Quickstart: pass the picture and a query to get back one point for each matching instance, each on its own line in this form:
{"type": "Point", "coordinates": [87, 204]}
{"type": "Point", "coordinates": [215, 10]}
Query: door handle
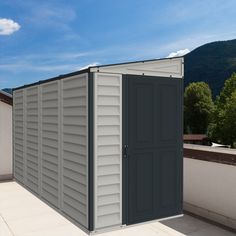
{"type": "Point", "coordinates": [125, 151]}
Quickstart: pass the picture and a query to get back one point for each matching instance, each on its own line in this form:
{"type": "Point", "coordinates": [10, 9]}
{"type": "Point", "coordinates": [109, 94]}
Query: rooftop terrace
{"type": "Point", "coordinates": [23, 214]}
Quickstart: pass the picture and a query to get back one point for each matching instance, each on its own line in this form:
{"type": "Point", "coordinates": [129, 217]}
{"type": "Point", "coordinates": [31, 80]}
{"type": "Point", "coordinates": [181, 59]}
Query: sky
{"type": "Point", "coordinates": [43, 39]}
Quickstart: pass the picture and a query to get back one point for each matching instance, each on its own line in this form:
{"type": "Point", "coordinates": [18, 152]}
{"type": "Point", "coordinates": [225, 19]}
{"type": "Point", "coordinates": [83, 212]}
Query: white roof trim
{"type": "Point", "coordinates": [169, 67]}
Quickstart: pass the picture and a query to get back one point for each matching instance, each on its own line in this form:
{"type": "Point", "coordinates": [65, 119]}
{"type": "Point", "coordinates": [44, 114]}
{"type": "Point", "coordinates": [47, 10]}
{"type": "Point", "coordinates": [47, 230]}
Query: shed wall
{"type": "Point", "coordinates": [107, 150]}
{"type": "Point", "coordinates": [51, 143]}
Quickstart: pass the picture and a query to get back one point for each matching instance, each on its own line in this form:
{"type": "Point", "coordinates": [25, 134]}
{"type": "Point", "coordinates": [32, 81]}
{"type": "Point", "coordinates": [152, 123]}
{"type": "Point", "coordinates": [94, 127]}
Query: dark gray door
{"type": "Point", "coordinates": [152, 127]}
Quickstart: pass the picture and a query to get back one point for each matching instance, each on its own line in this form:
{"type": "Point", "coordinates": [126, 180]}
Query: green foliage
{"type": "Point", "coordinates": [223, 126]}
{"type": "Point", "coordinates": [228, 89]}
{"type": "Point", "coordinates": [198, 107]}
{"type": "Point", "coordinates": [229, 121]}
{"type": "Point", "coordinates": [212, 63]}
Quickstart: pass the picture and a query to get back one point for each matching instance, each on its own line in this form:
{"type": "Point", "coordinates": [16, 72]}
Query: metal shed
{"type": "Point", "coordinates": [103, 145]}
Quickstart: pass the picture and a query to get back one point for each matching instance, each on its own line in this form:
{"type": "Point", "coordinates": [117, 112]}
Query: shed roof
{"type": "Point", "coordinates": [166, 67]}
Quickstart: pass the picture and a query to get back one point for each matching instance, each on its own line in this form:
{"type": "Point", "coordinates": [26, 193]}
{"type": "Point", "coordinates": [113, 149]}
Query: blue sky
{"type": "Point", "coordinates": [42, 39]}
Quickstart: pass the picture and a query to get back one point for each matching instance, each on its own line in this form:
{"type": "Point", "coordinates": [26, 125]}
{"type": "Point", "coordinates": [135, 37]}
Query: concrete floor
{"type": "Point", "coordinates": [189, 225]}
{"type": "Point", "coordinates": [23, 214]}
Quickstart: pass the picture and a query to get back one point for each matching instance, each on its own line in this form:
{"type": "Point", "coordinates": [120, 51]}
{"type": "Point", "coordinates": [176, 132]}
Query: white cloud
{"type": "Point", "coordinates": [179, 53]}
{"type": "Point", "coordinates": [89, 65]}
{"type": "Point", "coordinates": [8, 26]}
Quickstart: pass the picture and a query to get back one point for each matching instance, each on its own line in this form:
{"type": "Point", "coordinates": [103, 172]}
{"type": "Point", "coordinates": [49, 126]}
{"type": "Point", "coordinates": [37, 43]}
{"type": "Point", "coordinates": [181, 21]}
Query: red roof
{"type": "Point", "coordinates": [5, 97]}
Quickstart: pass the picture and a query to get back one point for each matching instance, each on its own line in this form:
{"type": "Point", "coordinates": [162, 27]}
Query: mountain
{"type": "Point", "coordinates": [212, 63]}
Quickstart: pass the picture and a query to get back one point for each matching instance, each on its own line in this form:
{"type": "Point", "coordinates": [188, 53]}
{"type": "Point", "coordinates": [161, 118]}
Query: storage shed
{"type": "Point", "coordinates": [103, 145]}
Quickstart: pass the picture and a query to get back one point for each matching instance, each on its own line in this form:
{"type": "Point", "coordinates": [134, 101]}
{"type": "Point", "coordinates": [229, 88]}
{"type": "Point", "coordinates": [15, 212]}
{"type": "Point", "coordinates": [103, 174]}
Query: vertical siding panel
{"type": "Point", "coordinates": [40, 138]}
{"type": "Point", "coordinates": [75, 148]}
{"type": "Point", "coordinates": [31, 138]}
{"type": "Point", "coordinates": [107, 150]}
{"type": "Point", "coordinates": [24, 136]}
{"type": "Point", "coordinates": [50, 142]}
{"type": "Point", "coordinates": [18, 137]}
{"type": "Point", "coordinates": [61, 146]}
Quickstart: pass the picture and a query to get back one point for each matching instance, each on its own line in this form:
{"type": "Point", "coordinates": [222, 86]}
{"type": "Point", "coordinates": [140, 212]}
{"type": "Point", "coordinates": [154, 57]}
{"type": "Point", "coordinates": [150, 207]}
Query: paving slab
{"type": "Point", "coordinates": [23, 214]}
{"type": "Point", "coordinates": [4, 229]}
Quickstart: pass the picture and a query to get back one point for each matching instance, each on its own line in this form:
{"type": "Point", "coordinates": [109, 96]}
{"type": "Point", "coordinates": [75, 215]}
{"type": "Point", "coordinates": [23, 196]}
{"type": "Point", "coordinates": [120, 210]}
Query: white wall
{"type": "Point", "coordinates": [210, 190]}
{"type": "Point", "coordinates": [5, 140]}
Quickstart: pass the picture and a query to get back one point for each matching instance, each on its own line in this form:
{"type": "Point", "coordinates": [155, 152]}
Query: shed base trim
{"type": "Point", "coordinates": [119, 227]}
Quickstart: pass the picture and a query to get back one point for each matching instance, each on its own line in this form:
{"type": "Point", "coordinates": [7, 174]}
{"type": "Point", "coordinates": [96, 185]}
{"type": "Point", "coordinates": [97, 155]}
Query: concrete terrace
{"type": "Point", "coordinates": [23, 214]}
{"type": "Point", "coordinates": [192, 226]}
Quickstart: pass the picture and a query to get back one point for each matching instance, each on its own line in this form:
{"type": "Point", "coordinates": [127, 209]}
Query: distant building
{"type": "Point", "coordinates": [7, 90]}
{"type": "Point", "coordinates": [200, 139]}
{"type": "Point", "coordinates": [5, 135]}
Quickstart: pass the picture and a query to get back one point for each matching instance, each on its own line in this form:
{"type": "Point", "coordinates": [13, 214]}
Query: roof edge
{"type": "Point", "coordinates": [59, 77]}
{"type": "Point", "coordinates": [87, 70]}
{"type": "Point", "coordinates": [141, 61]}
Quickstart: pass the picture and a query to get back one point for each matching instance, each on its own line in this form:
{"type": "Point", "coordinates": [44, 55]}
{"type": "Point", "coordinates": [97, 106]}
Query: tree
{"type": "Point", "coordinates": [229, 120]}
{"type": "Point", "coordinates": [223, 126]}
{"type": "Point", "coordinates": [228, 89]}
{"type": "Point", "coordinates": [198, 107]}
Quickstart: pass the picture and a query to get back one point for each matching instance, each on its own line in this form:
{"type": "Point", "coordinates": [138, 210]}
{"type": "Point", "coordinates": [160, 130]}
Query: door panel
{"type": "Point", "coordinates": [168, 178]}
{"type": "Point", "coordinates": [152, 127]}
{"type": "Point", "coordinates": [144, 94]}
{"type": "Point", "coordinates": [142, 203]}
{"type": "Point", "coordinates": [168, 112]}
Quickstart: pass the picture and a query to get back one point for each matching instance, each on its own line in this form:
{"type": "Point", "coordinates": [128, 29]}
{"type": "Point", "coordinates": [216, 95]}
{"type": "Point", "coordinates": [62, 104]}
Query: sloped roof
{"type": "Point", "coordinates": [164, 67]}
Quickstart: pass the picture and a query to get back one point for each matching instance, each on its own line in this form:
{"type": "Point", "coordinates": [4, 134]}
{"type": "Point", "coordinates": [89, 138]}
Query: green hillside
{"type": "Point", "coordinates": [212, 63]}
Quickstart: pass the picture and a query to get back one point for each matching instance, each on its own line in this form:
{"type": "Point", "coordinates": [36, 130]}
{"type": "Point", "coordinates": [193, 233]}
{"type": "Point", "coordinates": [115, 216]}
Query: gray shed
{"type": "Point", "coordinates": [103, 145]}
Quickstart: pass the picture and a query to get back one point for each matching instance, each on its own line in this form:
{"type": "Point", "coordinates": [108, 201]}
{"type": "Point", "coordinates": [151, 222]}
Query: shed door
{"type": "Point", "coordinates": [152, 161]}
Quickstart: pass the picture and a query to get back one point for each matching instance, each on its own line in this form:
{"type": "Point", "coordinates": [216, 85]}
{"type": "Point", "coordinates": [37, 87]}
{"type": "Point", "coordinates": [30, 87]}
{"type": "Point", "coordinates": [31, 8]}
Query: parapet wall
{"type": "Point", "coordinates": [210, 183]}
